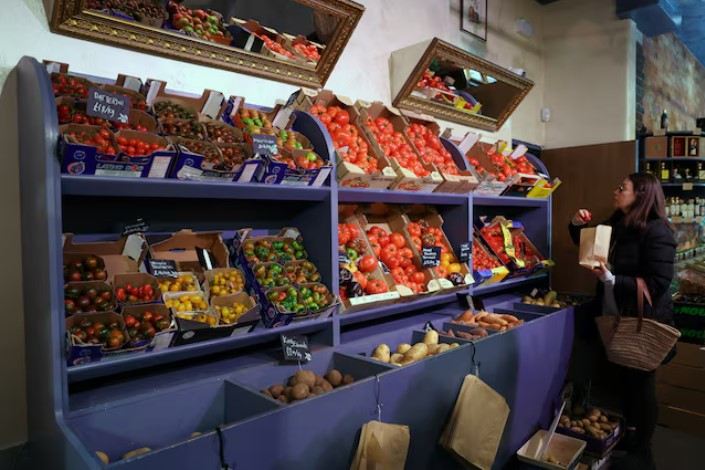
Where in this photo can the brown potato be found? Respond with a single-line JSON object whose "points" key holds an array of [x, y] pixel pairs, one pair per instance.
{"points": [[381, 353], [282, 398], [287, 392], [276, 390], [318, 390], [348, 379], [306, 376], [136, 452], [594, 418], [266, 392], [319, 381], [300, 391], [396, 357], [431, 337], [403, 348], [603, 419], [327, 386], [334, 377], [103, 457], [578, 430], [586, 422]]}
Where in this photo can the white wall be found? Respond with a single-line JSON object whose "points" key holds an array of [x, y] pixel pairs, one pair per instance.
{"points": [[590, 60], [362, 72]]}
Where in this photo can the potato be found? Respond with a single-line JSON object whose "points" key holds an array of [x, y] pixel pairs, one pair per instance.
{"points": [[406, 360], [431, 337], [396, 357], [443, 348], [334, 377], [433, 349], [266, 392], [327, 387], [287, 392], [136, 452], [603, 419], [104, 458], [573, 423], [319, 381], [318, 390], [417, 351], [604, 427], [276, 390], [300, 391], [586, 422], [613, 425], [454, 345], [195, 434], [403, 348], [578, 430], [348, 379], [594, 418], [381, 353], [282, 398], [306, 376]]}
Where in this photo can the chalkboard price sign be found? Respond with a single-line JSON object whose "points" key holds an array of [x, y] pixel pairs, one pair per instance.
{"points": [[295, 348], [106, 105], [163, 268], [430, 256], [264, 144], [465, 251]]}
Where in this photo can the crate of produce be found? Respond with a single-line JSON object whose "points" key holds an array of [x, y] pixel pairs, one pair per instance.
{"points": [[424, 228], [543, 301], [486, 267], [384, 127], [184, 282], [562, 452], [498, 320], [357, 163], [424, 134], [94, 335], [362, 282], [151, 327], [188, 249], [88, 297], [309, 51], [420, 345], [136, 289], [223, 281], [599, 429], [94, 150], [165, 105], [465, 333], [295, 167], [237, 309], [123, 255]]}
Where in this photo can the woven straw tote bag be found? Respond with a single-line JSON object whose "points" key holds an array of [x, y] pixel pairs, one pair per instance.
{"points": [[636, 342]]}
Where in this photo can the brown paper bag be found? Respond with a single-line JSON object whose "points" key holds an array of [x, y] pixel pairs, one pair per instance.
{"points": [[594, 246], [382, 447], [475, 429]]}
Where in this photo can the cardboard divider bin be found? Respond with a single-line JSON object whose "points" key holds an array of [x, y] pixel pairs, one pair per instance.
{"points": [[276, 171], [210, 103], [137, 100], [100, 286], [488, 276], [124, 255], [137, 117], [120, 280], [593, 444], [153, 421], [181, 247], [71, 257], [435, 220], [249, 318], [208, 277], [251, 165], [79, 352], [196, 130], [392, 221], [456, 327], [220, 132], [409, 337], [292, 41], [162, 339], [406, 179], [242, 37]]}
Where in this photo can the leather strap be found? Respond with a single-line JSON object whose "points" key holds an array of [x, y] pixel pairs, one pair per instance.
{"points": [[642, 291]]}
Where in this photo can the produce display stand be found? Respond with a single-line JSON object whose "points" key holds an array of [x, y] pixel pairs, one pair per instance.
{"points": [[158, 399]]}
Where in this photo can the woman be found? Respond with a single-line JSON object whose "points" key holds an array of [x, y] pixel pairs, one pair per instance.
{"points": [[642, 246]]}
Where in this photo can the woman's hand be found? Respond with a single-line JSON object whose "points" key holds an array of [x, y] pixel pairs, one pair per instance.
{"points": [[581, 217], [600, 271]]}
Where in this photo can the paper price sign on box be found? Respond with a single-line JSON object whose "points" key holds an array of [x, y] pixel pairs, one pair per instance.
{"points": [[106, 105], [163, 268], [295, 348], [431, 256]]}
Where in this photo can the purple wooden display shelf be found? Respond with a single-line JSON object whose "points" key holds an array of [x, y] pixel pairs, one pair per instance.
{"points": [[172, 188], [508, 284], [394, 309], [400, 197], [131, 362], [509, 201]]}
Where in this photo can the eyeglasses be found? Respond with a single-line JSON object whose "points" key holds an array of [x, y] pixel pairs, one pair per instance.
{"points": [[621, 188]]}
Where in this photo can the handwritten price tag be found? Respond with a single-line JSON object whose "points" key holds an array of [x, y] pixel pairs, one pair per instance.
{"points": [[295, 348], [106, 105]]}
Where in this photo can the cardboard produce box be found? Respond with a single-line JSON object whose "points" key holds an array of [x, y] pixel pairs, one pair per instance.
{"points": [[124, 255], [211, 103], [80, 352], [406, 179], [162, 339], [183, 248]]}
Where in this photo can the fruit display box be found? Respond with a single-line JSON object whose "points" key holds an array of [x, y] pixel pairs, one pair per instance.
{"points": [[79, 352], [489, 185], [353, 287], [595, 445], [251, 316], [276, 171], [82, 159], [211, 103], [192, 166], [390, 221], [124, 281], [245, 33], [183, 247], [552, 302], [88, 297], [350, 173], [427, 224], [271, 313], [486, 275], [162, 339], [310, 51], [466, 180], [507, 241], [407, 180]]}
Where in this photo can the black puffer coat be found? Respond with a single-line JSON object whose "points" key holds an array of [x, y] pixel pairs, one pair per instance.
{"points": [[647, 253]]}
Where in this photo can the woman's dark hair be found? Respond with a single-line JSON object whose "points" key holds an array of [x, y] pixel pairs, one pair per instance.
{"points": [[649, 202]]}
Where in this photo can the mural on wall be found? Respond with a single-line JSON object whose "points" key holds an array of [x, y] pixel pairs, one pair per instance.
{"points": [[473, 18], [672, 80]]}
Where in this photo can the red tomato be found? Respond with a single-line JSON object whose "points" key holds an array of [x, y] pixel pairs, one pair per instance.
{"points": [[360, 278], [354, 231], [383, 239], [410, 270], [376, 231], [376, 286], [414, 229], [397, 239], [418, 277], [367, 263], [343, 234]]}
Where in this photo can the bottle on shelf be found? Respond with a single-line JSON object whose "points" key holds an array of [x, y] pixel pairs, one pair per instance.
{"points": [[664, 172], [687, 176], [664, 120], [676, 174], [649, 169], [701, 172]]}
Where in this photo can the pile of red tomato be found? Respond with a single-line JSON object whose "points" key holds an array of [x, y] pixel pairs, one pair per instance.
{"points": [[393, 252], [356, 276], [274, 46], [309, 51], [394, 145], [502, 169], [66, 85], [101, 139], [136, 294], [431, 149], [137, 148], [346, 136], [428, 80], [494, 237], [481, 259]]}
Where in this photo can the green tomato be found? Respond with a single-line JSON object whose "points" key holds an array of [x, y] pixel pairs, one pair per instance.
{"points": [[212, 19], [248, 121], [298, 146], [311, 157], [352, 254], [183, 22], [188, 29], [258, 122]]}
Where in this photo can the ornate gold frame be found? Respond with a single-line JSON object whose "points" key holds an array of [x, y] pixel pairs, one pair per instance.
{"points": [[70, 20], [444, 51]]}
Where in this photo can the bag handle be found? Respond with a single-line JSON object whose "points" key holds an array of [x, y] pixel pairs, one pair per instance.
{"points": [[642, 290]]}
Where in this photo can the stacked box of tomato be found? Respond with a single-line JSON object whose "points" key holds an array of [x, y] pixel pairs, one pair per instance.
{"points": [[385, 129], [358, 165], [425, 228], [508, 242], [486, 268], [424, 133], [283, 281]]}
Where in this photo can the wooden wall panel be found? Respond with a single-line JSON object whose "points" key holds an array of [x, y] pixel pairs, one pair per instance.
{"points": [[590, 175]]}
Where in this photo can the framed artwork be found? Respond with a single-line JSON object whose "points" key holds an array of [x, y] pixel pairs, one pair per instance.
{"points": [[473, 18]]}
